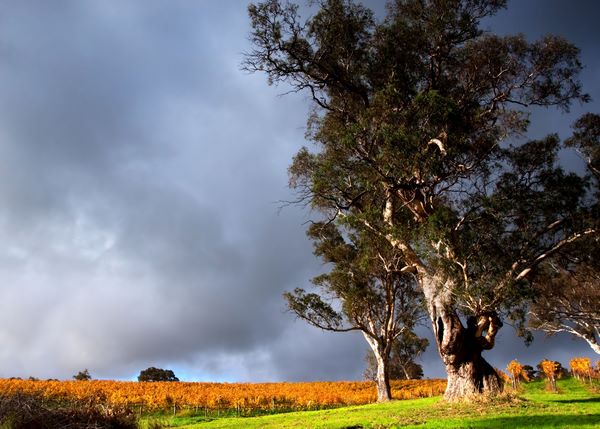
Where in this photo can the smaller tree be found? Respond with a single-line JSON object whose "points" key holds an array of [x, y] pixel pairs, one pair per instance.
{"points": [[567, 300], [402, 366], [566, 289], [157, 374], [83, 375], [581, 368], [366, 290], [552, 370], [516, 372]]}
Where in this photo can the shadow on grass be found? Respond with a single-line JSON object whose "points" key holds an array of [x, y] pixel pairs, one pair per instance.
{"points": [[535, 421], [575, 401]]}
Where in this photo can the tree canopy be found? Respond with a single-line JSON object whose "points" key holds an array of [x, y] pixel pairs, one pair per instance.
{"points": [[83, 375], [372, 294], [157, 374], [418, 124]]}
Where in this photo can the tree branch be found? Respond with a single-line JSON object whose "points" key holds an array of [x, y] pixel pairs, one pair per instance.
{"points": [[551, 251]]}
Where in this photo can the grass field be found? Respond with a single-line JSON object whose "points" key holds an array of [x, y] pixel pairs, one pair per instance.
{"points": [[574, 406]]}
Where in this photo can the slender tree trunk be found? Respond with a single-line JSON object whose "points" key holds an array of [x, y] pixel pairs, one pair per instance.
{"points": [[382, 379], [460, 347], [384, 391], [406, 373]]}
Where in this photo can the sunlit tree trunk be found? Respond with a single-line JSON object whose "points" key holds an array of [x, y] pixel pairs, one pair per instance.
{"points": [[460, 347], [382, 380]]}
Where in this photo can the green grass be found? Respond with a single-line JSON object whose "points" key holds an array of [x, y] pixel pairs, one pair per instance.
{"points": [[574, 406]]}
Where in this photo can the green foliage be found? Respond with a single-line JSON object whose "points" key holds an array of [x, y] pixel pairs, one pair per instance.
{"points": [[415, 124], [414, 108], [371, 293], [364, 279], [157, 374], [312, 308], [567, 293], [532, 374], [586, 139], [83, 375]]}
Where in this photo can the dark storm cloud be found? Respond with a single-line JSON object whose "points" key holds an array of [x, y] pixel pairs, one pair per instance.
{"points": [[140, 171], [139, 190]]}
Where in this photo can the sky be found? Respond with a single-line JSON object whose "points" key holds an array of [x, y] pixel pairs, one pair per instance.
{"points": [[141, 180]]}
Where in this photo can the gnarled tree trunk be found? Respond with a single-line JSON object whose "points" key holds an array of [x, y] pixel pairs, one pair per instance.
{"points": [[461, 347], [469, 374]]}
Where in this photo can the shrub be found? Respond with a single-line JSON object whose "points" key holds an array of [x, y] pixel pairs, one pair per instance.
{"points": [[21, 411]]}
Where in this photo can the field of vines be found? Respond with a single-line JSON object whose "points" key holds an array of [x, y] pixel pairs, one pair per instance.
{"points": [[243, 397]]}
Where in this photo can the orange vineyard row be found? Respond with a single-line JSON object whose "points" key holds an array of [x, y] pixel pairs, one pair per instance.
{"points": [[263, 396]]}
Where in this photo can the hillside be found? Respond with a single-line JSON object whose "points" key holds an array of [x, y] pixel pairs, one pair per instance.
{"points": [[574, 406]]}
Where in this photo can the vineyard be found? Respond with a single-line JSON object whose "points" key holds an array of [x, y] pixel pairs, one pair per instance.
{"points": [[245, 398]]}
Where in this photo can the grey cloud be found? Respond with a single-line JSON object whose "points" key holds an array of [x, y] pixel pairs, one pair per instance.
{"points": [[140, 174], [138, 208]]}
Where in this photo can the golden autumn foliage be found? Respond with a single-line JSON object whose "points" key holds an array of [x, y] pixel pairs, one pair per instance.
{"points": [[551, 370], [516, 372], [505, 378], [581, 367], [214, 396]]}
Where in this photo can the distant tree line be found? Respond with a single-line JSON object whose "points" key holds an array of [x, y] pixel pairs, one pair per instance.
{"points": [[148, 374]]}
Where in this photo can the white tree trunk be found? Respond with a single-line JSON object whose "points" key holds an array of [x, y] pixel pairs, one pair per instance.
{"points": [[382, 380]]}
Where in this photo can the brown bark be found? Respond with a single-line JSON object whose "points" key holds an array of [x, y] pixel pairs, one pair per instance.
{"points": [[469, 374], [460, 347]]}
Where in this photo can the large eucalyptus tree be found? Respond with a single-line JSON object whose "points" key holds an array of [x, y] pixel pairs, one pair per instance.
{"points": [[411, 127]]}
